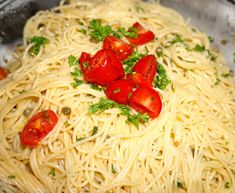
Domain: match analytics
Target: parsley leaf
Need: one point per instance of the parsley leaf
(131, 61)
(85, 65)
(76, 73)
(117, 91)
(113, 169)
(72, 60)
(80, 139)
(105, 104)
(101, 106)
(228, 74)
(67, 124)
(94, 131)
(97, 87)
(177, 39)
(52, 172)
(211, 39)
(38, 41)
(161, 80)
(11, 177)
(199, 48)
(76, 83)
(99, 32)
(131, 32)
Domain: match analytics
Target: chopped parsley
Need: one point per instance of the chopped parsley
(38, 42)
(180, 185)
(22, 91)
(113, 169)
(98, 31)
(227, 185)
(199, 48)
(76, 73)
(85, 65)
(83, 31)
(96, 87)
(161, 80)
(105, 104)
(131, 32)
(177, 39)
(11, 177)
(80, 139)
(52, 172)
(228, 74)
(159, 52)
(94, 131)
(72, 60)
(117, 91)
(211, 56)
(211, 39)
(140, 9)
(131, 61)
(76, 83)
(66, 123)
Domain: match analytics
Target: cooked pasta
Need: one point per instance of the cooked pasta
(189, 147)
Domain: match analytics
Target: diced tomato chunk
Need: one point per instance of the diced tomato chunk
(143, 36)
(3, 73)
(147, 66)
(121, 48)
(103, 68)
(38, 127)
(146, 100)
(120, 90)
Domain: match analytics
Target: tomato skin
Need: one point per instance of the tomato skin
(104, 67)
(144, 36)
(147, 66)
(3, 73)
(38, 127)
(146, 100)
(120, 90)
(138, 79)
(119, 47)
(85, 57)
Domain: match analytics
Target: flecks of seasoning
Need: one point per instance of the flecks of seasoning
(27, 112)
(227, 185)
(224, 41)
(79, 138)
(180, 185)
(52, 172)
(11, 177)
(67, 124)
(113, 169)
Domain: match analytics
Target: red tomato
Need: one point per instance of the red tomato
(103, 68)
(38, 127)
(120, 90)
(143, 36)
(3, 73)
(138, 79)
(121, 48)
(146, 100)
(147, 66)
(85, 57)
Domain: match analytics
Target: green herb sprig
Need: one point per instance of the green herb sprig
(38, 42)
(161, 80)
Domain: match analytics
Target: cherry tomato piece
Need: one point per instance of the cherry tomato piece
(146, 100)
(147, 66)
(143, 36)
(121, 48)
(103, 68)
(38, 127)
(120, 90)
(3, 73)
(138, 79)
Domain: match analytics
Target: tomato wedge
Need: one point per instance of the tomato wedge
(3, 73)
(147, 66)
(143, 36)
(103, 68)
(138, 79)
(120, 90)
(146, 100)
(85, 57)
(38, 127)
(121, 48)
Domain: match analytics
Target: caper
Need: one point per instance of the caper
(66, 110)
(27, 112)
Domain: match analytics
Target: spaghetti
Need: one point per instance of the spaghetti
(190, 147)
